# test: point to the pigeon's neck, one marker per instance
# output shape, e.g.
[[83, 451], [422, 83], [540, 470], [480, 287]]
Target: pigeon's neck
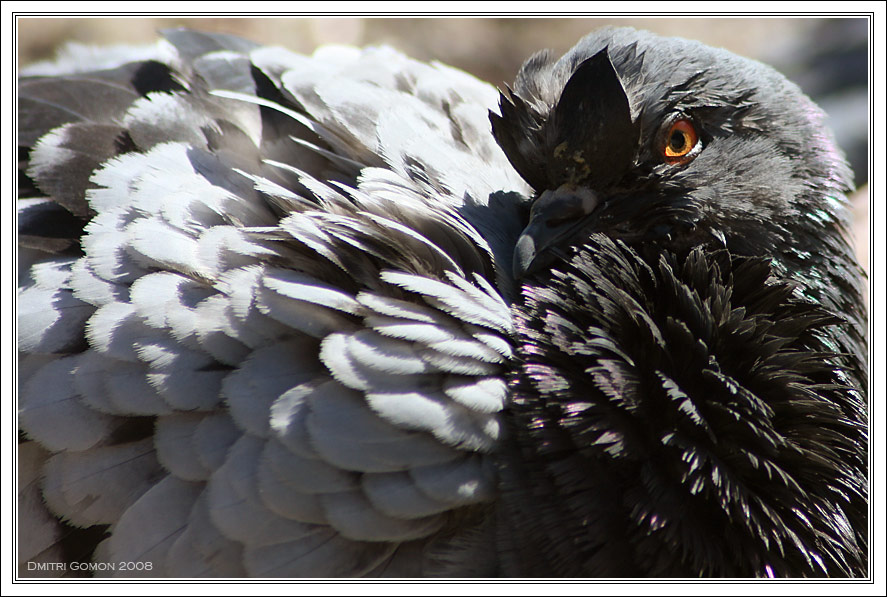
[[672, 419]]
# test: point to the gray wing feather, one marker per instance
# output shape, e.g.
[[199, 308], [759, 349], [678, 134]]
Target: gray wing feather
[[280, 348]]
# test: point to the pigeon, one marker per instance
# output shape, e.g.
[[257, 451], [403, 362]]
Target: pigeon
[[353, 315]]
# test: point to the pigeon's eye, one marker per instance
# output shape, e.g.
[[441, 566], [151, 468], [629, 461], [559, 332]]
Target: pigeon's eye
[[681, 142]]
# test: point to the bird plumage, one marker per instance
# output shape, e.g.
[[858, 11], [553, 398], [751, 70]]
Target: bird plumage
[[269, 324]]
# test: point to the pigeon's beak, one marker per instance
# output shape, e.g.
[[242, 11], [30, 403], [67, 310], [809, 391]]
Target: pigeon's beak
[[591, 144], [555, 215]]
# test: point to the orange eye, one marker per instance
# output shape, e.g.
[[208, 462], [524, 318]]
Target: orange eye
[[680, 142]]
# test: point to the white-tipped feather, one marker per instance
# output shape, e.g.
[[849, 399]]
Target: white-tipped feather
[[459, 364], [300, 287], [378, 353], [217, 331], [289, 420], [419, 246], [325, 193], [451, 300], [485, 394], [406, 310], [264, 377], [115, 180], [346, 433], [51, 317], [465, 481], [169, 301], [186, 379], [223, 248], [164, 117], [466, 349], [90, 288], [497, 342], [50, 320], [127, 386], [105, 245], [410, 330], [155, 244], [241, 319], [488, 299], [115, 330], [251, 99], [172, 187], [451, 423], [371, 361], [117, 387], [312, 319]]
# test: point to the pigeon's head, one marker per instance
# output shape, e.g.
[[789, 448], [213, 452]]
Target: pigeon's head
[[652, 139]]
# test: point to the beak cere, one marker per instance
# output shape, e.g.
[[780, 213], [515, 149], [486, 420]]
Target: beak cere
[[554, 217]]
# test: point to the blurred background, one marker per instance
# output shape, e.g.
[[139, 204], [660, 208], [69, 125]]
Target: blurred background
[[826, 57]]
